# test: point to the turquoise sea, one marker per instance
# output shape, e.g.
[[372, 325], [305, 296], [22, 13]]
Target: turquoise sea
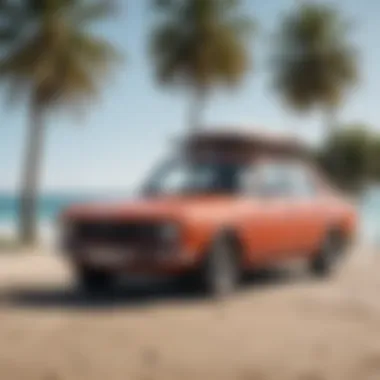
[[369, 211], [50, 205]]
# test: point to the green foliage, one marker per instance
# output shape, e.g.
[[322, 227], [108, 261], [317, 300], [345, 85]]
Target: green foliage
[[200, 43], [314, 62], [358, 151], [374, 168], [48, 51]]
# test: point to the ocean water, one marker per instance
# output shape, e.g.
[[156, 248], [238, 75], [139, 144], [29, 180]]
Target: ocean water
[[49, 207], [369, 213]]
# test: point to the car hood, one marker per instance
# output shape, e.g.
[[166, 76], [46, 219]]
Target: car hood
[[155, 208]]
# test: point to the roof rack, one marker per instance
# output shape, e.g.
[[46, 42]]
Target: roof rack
[[242, 143]]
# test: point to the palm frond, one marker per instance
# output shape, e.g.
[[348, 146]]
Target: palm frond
[[243, 26], [200, 42], [92, 12], [313, 61], [95, 50], [12, 22], [57, 60], [24, 60]]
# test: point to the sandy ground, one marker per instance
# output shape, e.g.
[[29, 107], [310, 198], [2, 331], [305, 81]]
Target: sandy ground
[[284, 326]]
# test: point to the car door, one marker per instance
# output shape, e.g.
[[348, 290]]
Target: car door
[[267, 226], [305, 216]]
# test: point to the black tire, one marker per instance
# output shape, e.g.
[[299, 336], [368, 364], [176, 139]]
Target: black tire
[[220, 273], [188, 282], [93, 282], [327, 257]]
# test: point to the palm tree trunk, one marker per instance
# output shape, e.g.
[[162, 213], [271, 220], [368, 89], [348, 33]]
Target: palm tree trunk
[[31, 176], [196, 108]]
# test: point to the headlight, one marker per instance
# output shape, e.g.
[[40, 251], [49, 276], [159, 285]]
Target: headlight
[[169, 232]]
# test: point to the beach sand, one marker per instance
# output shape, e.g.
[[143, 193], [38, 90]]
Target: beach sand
[[286, 326]]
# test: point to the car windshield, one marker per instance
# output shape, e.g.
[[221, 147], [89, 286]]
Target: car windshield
[[181, 177]]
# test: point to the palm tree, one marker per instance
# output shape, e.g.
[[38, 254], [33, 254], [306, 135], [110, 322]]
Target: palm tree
[[50, 56], [199, 44], [355, 146], [314, 62]]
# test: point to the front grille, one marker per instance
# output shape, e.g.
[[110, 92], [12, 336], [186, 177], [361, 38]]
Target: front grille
[[117, 232]]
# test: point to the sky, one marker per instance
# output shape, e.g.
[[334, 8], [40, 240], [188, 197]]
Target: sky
[[132, 126]]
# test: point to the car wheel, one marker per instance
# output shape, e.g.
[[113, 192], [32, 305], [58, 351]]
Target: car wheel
[[220, 273], [324, 262], [188, 282], [93, 281]]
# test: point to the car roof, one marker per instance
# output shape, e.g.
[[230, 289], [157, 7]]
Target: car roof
[[246, 144]]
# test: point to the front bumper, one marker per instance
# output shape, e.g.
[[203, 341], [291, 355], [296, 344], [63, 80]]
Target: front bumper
[[133, 261]]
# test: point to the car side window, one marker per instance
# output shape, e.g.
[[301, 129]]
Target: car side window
[[266, 179], [300, 183]]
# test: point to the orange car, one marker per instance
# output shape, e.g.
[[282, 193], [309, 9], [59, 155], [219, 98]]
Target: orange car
[[226, 204]]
